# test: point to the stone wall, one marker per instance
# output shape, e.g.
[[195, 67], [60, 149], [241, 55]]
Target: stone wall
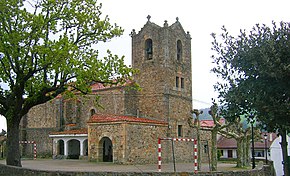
[[131, 102], [138, 143], [75, 110], [142, 142], [59, 114], [205, 137], [157, 76], [43, 142], [161, 98], [41, 116], [152, 105], [132, 142], [115, 132], [108, 101], [36, 126], [111, 101]]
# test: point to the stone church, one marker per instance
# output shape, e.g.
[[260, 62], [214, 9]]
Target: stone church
[[125, 124]]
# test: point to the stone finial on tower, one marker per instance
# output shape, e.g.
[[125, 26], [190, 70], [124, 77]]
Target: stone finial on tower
[[133, 33], [177, 19], [148, 17], [165, 23], [188, 35]]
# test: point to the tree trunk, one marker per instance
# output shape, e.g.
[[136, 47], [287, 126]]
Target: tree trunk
[[284, 151], [214, 150], [239, 152], [13, 152], [246, 153]]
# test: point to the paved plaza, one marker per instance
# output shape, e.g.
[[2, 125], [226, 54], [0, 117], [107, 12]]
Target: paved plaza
[[83, 165]]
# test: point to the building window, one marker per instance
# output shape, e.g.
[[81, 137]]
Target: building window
[[179, 50], [148, 49], [177, 82], [205, 148], [93, 111], [259, 153], [182, 83], [179, 130]]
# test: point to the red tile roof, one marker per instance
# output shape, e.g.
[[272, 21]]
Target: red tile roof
[[101, 86], [71, 124], [209, 123], [225, 143], [98, 86], [104, 118], [76, 131]]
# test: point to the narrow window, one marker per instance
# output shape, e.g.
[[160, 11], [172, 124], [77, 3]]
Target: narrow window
[[177, 82], [179, 130], [182, 83], [148, 49], [205, 148], [93, 112], [179, 50]]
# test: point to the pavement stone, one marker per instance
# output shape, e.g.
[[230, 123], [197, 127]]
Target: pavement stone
[[84, 165]]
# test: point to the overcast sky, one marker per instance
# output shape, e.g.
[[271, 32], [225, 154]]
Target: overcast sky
[[200, 18]]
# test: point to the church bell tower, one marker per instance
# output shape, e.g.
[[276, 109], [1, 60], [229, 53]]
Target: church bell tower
[[163, 57]]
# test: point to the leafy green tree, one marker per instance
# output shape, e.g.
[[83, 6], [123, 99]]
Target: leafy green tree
[[47, 46], [255, 71]]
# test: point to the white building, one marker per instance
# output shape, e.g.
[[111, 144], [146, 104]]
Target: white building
[[228, 148], [276, 155]]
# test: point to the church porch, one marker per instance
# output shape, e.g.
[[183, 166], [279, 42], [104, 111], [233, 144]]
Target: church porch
[[72, 144]]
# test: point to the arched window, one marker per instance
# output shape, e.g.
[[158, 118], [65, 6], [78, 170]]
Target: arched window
[[93, 111], [148, 49], [179, 50]]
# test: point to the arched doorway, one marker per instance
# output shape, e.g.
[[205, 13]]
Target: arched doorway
[[106, 150], [73, 149], [60, 147]]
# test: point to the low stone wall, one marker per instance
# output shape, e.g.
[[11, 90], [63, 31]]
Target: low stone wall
[[18, 171]]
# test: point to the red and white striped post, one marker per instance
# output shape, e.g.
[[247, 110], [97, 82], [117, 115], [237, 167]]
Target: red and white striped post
[[159, 154], [178, 139], [34, 150], [34, 147], [195, 156]]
